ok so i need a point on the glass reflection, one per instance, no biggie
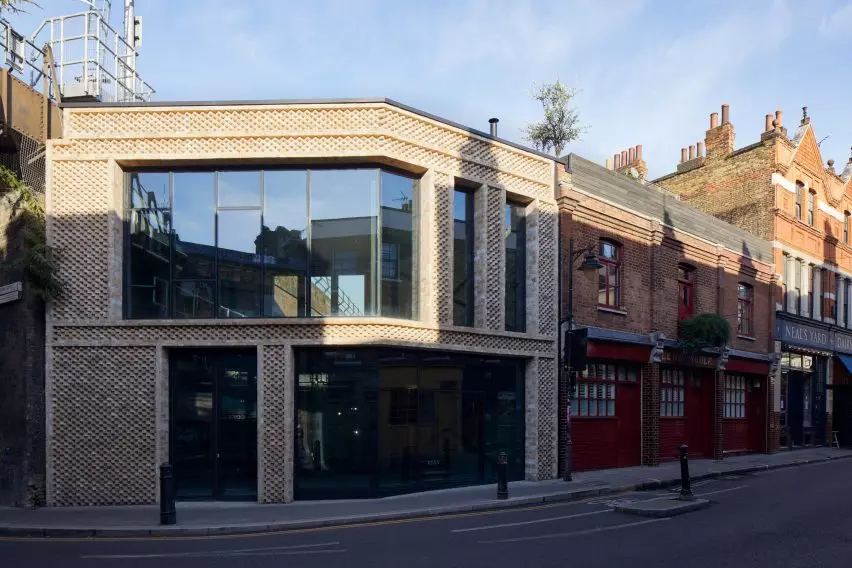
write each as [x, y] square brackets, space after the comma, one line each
[344, 221]
[149, 190]
[149, 263]
[239, 264]
[423, 421]
[397, 254]
[239, 189]
[285, 247]
[463, 258]
[194, 221]
[515, 267]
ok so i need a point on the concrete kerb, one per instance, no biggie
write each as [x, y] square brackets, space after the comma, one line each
[483, 506]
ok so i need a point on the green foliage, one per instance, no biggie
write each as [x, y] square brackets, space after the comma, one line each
[38, 263]
[704, 330]
[561, 123]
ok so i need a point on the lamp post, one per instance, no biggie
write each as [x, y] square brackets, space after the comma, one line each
[590, 264]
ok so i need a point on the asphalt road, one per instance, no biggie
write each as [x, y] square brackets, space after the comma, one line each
[787, 518]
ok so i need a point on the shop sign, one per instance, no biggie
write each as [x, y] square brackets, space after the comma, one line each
[11, 293]
[681, 358]
[794, 333]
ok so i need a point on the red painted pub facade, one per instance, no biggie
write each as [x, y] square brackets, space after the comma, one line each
[640, 395]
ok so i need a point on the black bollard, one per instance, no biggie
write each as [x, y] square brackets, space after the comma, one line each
[502, 475]
[168, 515]
[685, 490]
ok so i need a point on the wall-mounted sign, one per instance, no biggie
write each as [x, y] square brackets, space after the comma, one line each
[795, 333]
[11, 293]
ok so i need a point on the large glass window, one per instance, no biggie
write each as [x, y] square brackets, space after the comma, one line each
[271, 243]
[735, 396]
[375, 422]
[516, 274]
[463, 235]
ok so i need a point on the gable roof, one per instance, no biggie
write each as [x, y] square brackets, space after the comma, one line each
[656, 203]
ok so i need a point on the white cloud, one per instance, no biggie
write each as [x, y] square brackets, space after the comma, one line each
[837, 24]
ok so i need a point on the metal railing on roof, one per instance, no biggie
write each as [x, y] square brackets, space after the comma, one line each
[91, 60]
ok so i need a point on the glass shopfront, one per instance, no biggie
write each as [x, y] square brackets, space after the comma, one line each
[802, 399]
[376, 422]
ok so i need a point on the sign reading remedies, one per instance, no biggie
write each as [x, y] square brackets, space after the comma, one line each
[11, 293]
[795, 333]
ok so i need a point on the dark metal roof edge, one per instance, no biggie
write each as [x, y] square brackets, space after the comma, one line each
[267, 102]
[605, 334]
[740, 354]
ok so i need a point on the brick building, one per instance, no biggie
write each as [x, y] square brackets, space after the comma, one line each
[296, 300]
[640, 395]
[779, 189]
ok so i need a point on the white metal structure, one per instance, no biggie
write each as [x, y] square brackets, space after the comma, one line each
[92, 60]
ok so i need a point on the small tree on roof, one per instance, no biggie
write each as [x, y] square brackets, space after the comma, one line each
[561, 122]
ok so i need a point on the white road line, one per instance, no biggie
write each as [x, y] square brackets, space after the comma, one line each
[720, 491]
[292, 549]
[574, 533]
[533, 522]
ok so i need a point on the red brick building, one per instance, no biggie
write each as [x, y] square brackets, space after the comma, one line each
[780, 189]
[640, 395]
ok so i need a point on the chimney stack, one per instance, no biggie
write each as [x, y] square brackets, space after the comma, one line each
[638, 152]
[719, 140]
[631, 156]
[699, 149]
[682, 155]
[616, 160]
[493, 123]
[623, 158]
[726, 114]
[691, 151]
[768, 125]
[714, 120]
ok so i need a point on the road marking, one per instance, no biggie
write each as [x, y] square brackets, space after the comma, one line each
[720, 491]
[532, 522]
[292, 549]
[573, 533]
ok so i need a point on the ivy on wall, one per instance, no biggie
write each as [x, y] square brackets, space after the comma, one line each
[38, 264]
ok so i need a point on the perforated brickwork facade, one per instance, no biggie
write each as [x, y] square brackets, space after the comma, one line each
[107, 378]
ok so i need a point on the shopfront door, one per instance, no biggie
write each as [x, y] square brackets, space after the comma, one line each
[795, 406]
[213, 423]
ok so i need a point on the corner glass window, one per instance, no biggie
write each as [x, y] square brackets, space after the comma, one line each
[270, 243]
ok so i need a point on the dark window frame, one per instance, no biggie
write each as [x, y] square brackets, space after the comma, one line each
[519, 292]
[672, 392]
[469, 282]
[811, 207]
[800, 198]
[736, 397]
[745, 309]
[608, 262]
[686, 290]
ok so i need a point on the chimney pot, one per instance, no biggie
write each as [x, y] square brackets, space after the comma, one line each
[638, 152]
[623, 158]
[609, 163]
[714, 119]
[805, 118]
[691, 151]
[631, 156]
[768, 125]
[699, 149]
[616, 160]
[831, 163]
[682, 155]
[493, 124]
[726, 114]
[778, 119]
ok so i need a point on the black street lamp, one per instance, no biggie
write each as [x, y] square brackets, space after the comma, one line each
[590, 264]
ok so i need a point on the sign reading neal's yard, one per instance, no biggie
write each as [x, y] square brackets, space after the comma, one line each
[11, 292]
[795, 333]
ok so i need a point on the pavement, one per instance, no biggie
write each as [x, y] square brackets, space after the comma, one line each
[789, 517]
[218, 518]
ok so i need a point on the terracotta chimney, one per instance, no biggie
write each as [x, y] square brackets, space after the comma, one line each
[609, 163]
[616, 160]
[638, 152]
[691, 151]
[726, 114]
[624, 158]
[699, 149]
[778, 116]
[714, 120]
[631, 156]
[682, 155]
[719, 141]
[768, 125]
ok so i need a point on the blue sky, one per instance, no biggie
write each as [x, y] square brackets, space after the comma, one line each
[650, 72]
